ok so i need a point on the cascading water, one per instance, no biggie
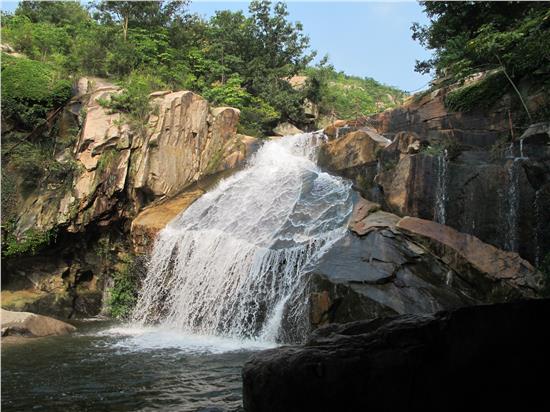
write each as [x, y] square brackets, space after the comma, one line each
[440, 208]
[232, 263]
[513, 205]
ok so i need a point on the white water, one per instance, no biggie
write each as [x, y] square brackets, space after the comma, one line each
[440, 210]
[232, 264]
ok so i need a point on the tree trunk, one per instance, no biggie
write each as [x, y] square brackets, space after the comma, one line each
[125, 27]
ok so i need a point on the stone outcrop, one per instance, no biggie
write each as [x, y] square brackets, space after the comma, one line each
[491, 356]
[387, 265]
[458, 168]
[473, 256]
[31, 325]
[118, 168]
[153, 219]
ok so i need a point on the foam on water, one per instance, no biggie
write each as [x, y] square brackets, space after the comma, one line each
[232, 264]
[140, 338]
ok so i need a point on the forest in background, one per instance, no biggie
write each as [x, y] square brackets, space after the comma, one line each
[233, 59]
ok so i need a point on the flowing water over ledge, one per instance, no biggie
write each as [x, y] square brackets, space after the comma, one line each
[226, 278]
[106, 367]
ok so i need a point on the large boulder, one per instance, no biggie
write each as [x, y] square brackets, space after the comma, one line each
[31, 325]
[488, 356]
[386, 265]
[472, 257]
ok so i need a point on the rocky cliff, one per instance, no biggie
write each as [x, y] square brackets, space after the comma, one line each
[481, 171]
[120, 168]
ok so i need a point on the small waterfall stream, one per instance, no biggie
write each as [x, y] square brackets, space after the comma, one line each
[232, 263]
[440, 208]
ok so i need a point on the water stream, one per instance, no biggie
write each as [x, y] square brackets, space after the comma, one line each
[440, 209]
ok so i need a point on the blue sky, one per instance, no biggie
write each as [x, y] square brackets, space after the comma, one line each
[370, 39]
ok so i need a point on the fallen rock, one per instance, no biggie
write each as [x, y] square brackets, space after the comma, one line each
[29, 324]
[491, 356]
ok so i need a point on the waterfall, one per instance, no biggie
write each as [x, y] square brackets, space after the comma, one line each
[232, 264]
[441, 188]
[513, 205]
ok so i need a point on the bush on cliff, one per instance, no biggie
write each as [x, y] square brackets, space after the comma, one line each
[257, 115]
[30, 89]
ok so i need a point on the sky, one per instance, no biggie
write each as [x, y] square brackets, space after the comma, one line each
[367, 39]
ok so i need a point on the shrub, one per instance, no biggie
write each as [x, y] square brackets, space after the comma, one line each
[124, 293]
[30, 89]
[32, 242]
[257, 116]
[479, 95]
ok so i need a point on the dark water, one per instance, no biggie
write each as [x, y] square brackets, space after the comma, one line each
[109, 368]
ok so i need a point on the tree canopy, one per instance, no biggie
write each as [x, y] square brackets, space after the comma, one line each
[233, 58]
[473, 36]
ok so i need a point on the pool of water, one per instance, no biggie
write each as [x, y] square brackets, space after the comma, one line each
[106, 367]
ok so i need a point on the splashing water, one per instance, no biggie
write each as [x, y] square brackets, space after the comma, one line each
[232, 263]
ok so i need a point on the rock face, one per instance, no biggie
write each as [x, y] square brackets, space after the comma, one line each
[460, 169]
[491, 355]
[29, 324]
[388, 265]
[152, 220]
[118, 169]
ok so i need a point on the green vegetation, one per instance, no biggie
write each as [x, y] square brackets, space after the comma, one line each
[30, 89]
[346, 97]
[468, 37]
[123, 295]
[449, 146]
[32, 242]
[479, 95]
[233, 59]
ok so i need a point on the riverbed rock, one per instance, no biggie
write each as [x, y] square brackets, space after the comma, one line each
[492, 356]
[32, 325]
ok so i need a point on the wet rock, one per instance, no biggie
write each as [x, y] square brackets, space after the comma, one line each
[29, 324]
[492, 355]
[153, 219]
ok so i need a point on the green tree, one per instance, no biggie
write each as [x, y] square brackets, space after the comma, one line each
[472, 36]
[59, 13]
[138, 14]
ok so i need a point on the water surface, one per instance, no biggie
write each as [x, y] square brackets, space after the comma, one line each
[106, 367]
